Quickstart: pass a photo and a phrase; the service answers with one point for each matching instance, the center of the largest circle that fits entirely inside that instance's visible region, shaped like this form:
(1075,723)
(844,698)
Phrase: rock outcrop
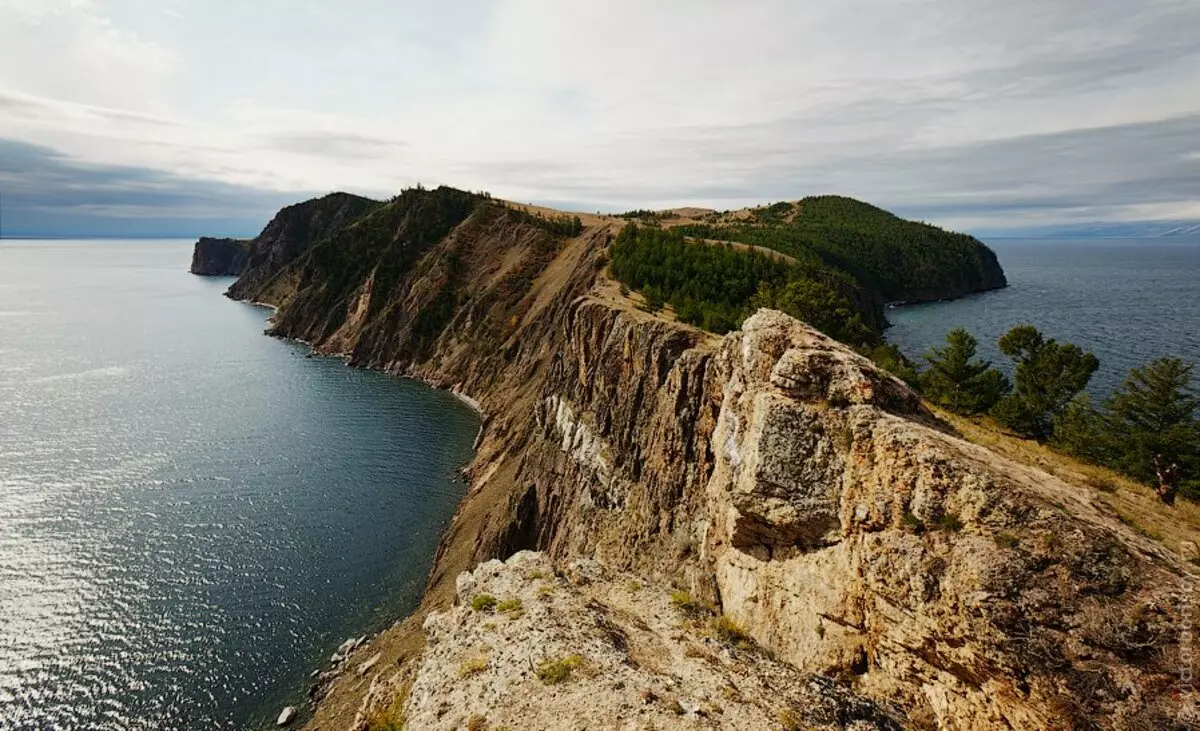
(527,647)
(773,474)
(220,257)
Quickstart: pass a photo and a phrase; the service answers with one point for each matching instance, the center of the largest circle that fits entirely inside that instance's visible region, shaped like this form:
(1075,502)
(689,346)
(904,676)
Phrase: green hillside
(849,258)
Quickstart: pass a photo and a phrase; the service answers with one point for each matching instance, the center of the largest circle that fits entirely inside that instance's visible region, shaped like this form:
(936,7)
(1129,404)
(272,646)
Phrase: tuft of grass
(553,671)
(484,603)
(694,608)
(545,592)
(474,666)
(1102,483)
(1006,540)
(731,634)
(537,575)
(950,522)
(912,522)
(791,720)
(394,717)
(633,586)
(511,607)
(477,722)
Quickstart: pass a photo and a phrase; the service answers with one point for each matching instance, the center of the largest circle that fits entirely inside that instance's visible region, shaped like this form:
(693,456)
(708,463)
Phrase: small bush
(553,671)
(693,608)
(912,522)
(1006,540)
(474,666)
(483,603)
(512,607)
(950,522)
(731,633)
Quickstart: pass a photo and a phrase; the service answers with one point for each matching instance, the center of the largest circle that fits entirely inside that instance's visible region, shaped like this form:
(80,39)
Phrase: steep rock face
(220,257)
(773,473)
(853,539)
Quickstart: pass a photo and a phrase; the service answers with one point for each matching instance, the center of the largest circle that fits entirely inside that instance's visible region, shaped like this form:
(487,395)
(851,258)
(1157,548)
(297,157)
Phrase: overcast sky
(205,115)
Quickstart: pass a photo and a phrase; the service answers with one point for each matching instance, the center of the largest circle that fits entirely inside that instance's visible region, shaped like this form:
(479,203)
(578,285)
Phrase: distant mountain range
(1099,230)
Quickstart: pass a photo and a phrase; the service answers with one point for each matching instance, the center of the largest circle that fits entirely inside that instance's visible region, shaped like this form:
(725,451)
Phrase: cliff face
(295,229)
(220,257)
(772,473)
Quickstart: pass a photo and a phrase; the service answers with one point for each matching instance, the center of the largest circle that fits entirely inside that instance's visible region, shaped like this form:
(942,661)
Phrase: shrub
(483,603)
(731,634)
(694,608)
(950,522)
(474,666)
(512,607)
(912,522)
(553,671)
(1006,540)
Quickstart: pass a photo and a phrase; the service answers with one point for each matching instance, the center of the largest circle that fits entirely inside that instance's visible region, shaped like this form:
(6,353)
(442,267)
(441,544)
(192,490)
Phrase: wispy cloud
(969,114)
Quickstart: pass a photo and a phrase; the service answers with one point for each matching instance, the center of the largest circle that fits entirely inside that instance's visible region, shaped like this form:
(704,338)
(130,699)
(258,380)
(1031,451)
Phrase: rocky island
(667,527)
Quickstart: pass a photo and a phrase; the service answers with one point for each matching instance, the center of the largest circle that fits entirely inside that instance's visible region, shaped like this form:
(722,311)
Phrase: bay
(193,515)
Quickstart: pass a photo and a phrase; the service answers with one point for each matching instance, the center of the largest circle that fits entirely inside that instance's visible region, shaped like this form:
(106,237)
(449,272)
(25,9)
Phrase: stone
(286,716)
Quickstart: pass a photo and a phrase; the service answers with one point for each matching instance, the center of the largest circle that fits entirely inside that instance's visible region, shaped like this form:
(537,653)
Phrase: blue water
(1126,300)
(193,515)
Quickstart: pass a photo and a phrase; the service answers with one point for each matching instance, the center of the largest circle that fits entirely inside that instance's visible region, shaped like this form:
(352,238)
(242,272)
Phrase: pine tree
(1153,421)
(957,380)
(1048,376)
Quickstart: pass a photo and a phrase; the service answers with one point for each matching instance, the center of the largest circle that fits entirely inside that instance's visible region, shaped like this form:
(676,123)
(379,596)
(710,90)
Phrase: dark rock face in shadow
(220,257)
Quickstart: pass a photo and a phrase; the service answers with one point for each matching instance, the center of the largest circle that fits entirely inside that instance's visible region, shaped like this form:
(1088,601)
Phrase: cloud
(966,113)
(339,145)
(47,194)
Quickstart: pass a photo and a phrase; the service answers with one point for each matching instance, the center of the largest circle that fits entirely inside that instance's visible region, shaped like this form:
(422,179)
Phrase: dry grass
(553,671)
(1131,502)
(472,666)
(691,607)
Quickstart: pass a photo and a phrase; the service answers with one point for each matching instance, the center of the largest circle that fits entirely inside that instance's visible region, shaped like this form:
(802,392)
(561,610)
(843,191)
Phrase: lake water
(193,515)
(1126,300)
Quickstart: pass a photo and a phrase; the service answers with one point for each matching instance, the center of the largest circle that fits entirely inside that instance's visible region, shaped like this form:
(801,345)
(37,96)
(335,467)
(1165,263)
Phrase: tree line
(901,259)
(716,286)
(1149,428)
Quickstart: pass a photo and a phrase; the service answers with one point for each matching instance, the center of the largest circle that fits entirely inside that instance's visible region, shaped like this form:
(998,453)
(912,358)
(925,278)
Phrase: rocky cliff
(220,257)
(772,477)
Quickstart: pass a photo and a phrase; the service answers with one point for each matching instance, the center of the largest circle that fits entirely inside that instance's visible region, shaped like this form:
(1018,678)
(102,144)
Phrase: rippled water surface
(192,514)
(1126,300)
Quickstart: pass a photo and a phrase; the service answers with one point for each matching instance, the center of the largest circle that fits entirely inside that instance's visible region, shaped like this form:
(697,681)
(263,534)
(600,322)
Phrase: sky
(203,117)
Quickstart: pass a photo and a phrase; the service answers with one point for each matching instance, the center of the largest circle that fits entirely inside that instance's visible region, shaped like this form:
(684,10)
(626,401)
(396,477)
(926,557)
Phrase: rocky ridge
(773,474)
